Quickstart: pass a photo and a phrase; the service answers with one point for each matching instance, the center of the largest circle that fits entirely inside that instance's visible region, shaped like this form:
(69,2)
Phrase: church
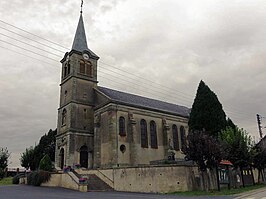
(99,127)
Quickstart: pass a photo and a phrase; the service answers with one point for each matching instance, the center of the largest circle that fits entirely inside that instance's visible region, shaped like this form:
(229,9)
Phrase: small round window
(122,148)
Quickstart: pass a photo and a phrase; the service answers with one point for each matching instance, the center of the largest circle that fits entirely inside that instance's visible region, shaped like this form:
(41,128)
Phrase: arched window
(62,158)
(143,134)
(82,67)
(83,156)
(65,70)
(175,137)
(122,126)
(153,135)
(88,68)
(64,117)
(183,137)
(68,68)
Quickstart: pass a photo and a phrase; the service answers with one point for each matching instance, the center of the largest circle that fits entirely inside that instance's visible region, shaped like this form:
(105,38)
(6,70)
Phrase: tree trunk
(217,178)
(242,177)
(229,177)
(259,176)
(205,181)
(253,180)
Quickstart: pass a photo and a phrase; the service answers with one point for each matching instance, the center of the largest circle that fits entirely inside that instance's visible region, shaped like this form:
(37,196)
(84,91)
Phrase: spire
(80,41)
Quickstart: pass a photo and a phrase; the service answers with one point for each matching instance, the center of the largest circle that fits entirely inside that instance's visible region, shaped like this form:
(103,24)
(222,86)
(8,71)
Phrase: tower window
(82,67)
(175,137)
(65,70)
(183,137)
(85,113)
(88,67)
(122,126)
(153,133)
(143,134)
(85,68)
(64,113)
(68,68)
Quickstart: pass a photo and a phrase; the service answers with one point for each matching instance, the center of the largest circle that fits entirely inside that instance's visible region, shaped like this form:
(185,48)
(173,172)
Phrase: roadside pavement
(254,194)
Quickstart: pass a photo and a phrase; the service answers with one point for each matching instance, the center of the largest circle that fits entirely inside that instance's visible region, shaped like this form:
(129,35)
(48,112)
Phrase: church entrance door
(84,156)
(62,155)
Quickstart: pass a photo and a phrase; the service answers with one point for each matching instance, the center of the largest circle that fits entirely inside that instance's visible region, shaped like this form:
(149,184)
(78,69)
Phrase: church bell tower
(74,142)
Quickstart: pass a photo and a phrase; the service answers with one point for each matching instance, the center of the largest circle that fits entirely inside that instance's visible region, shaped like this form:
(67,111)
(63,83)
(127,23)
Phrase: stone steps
(96,184)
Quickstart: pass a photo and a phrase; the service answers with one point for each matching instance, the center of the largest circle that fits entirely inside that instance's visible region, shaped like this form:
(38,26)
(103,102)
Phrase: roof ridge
(160,102)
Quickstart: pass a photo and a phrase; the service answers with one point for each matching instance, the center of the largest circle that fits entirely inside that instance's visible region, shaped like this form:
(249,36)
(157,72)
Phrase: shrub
(1,173)
(46,163)
(36,178)
(15,179)
(44,176)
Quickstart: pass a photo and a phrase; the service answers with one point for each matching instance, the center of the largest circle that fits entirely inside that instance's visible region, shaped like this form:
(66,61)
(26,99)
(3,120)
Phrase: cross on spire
(81,6)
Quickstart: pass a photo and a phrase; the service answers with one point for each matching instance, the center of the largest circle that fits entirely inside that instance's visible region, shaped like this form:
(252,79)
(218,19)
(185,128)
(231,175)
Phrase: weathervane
(81,6)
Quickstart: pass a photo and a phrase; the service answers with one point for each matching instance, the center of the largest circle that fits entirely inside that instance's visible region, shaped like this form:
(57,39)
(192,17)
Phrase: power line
(33,34)
(67,48)
(27,50)
(142,86)
(139,89)
(27,56)
(32,39)
(30,45)
(128,77)
(117,68)
(144,79)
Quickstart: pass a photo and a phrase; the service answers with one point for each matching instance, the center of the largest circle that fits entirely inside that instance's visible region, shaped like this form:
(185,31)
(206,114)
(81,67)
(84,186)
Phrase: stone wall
(65,180)
(157,179)
(108,143)
(154,179)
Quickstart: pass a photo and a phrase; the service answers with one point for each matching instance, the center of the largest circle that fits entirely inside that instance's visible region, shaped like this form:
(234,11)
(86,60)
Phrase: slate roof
(80,41)
(144,102)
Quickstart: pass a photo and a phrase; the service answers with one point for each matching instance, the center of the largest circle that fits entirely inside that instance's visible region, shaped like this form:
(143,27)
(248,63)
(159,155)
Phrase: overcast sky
(167,46)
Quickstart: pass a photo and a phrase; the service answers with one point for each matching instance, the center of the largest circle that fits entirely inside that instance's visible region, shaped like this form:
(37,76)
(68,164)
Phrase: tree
(237,147)
(4,156)
(32,156)
(46,163)
(27,159)
(47,144)
(205,150)
(259,160)
(230,123)
(207,112)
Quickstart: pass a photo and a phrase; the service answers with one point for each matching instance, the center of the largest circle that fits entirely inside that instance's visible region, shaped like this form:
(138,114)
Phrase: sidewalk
(257,193)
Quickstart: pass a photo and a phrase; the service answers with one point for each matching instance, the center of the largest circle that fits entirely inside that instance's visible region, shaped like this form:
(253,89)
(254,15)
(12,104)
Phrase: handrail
(72,177)
(105,176)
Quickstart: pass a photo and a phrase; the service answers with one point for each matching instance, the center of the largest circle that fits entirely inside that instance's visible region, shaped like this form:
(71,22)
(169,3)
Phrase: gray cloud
(173,43)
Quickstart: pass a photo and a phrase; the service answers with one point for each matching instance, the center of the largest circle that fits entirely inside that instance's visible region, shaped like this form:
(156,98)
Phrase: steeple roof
(80,41)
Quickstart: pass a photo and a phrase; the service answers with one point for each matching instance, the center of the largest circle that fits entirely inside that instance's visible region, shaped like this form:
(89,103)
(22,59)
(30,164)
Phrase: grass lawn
(224,191)
(6,181)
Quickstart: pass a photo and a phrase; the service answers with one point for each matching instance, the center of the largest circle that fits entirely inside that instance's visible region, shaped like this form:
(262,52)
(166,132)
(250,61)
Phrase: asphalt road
(30,192)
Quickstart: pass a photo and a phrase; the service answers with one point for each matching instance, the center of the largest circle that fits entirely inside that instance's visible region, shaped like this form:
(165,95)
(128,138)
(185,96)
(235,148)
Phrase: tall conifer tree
(207,112)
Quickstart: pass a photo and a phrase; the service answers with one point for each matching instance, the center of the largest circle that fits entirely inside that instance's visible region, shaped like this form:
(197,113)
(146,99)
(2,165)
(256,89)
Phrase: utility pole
(259,124)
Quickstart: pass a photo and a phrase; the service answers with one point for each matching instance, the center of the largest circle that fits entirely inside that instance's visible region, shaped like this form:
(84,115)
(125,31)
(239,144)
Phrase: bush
(2,173)
(46,164)
(15,179)
(36,178)
(44,176)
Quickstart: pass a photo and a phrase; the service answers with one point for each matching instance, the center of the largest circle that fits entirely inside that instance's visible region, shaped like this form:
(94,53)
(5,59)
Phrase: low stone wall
(65,180)
(155,179)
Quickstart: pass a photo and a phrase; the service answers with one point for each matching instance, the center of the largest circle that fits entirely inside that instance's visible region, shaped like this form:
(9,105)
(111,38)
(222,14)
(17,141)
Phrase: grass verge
(223,192)
(6,181)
